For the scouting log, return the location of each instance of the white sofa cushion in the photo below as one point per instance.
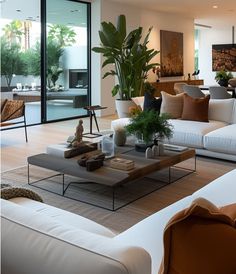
(36, 243)
(119, 123)
(222, 140)
(221, 191)
(148, 233)
(190, 133)
(139, 101)
(233, 119)
(65, 217)
(221, 110)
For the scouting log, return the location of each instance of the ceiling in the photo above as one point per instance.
(200, 10)
(72, 13)
(58, 11)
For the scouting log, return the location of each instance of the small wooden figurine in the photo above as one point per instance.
(78, 134)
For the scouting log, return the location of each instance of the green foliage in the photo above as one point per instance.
(62, 35)
(223, 75)
(130, 56)
(11, 60)
(148, 87)
(31, 59)
(149, 125)
(13, 31)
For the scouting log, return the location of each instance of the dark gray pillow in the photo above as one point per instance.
(150, 102)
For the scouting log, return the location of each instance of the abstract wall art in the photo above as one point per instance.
(171, 51)
(224, 57)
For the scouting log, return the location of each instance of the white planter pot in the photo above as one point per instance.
(122, 107)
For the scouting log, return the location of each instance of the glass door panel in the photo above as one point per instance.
(20, 55)
(66, 59)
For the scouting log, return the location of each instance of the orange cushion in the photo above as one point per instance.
(195, 109)
(12, 110)
(200, 239)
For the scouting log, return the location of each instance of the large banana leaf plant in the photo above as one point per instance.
(130, 56)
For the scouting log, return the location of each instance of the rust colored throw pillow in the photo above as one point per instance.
(172, 104)
(200, 239)
(195, 109)
(12, 110)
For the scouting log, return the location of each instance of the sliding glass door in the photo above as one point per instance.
(45, 57)
(20, 55)
(67, 76)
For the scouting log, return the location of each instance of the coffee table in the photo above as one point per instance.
(110, 177)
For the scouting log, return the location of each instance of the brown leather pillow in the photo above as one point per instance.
(195, 109)
(200, 239)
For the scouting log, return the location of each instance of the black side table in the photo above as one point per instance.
(91, 110)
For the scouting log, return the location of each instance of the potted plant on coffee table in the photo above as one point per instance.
(131, 59)
(149, 126)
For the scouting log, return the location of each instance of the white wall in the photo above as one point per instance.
(136, 17)
(207, 38)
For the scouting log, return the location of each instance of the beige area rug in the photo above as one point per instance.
(207, 170)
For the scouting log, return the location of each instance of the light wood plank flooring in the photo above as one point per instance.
(14, 149)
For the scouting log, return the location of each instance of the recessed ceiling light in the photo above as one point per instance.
(215, 7)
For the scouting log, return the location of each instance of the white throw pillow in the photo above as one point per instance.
(172, 104)
(221, 110)
(138, 101)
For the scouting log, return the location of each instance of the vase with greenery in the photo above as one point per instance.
(131, 57)
(222, 77)
(149, 126)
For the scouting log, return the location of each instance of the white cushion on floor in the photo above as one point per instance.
(190, 133)
(63, 216)
(221, 110)
(222, 140)
(221, 191)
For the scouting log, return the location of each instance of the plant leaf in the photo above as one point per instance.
(115, 90)
(112, 72)
(121, 26)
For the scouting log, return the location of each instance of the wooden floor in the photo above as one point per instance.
(14, 149)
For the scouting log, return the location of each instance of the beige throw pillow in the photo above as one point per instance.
(172, 104)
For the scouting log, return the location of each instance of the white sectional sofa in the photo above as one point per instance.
(214, 139)
(41, 239)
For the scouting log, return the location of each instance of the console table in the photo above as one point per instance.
(168, 86)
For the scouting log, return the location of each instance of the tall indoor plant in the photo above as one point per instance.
(130, 56)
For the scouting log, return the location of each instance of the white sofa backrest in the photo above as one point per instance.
(233, 120)
(221, 110)
(33, 242)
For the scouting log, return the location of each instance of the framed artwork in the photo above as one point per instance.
(224, 57)
(171, 51)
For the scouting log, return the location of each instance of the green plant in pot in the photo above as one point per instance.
(222, 77)
(149, 126)
(130, 56)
